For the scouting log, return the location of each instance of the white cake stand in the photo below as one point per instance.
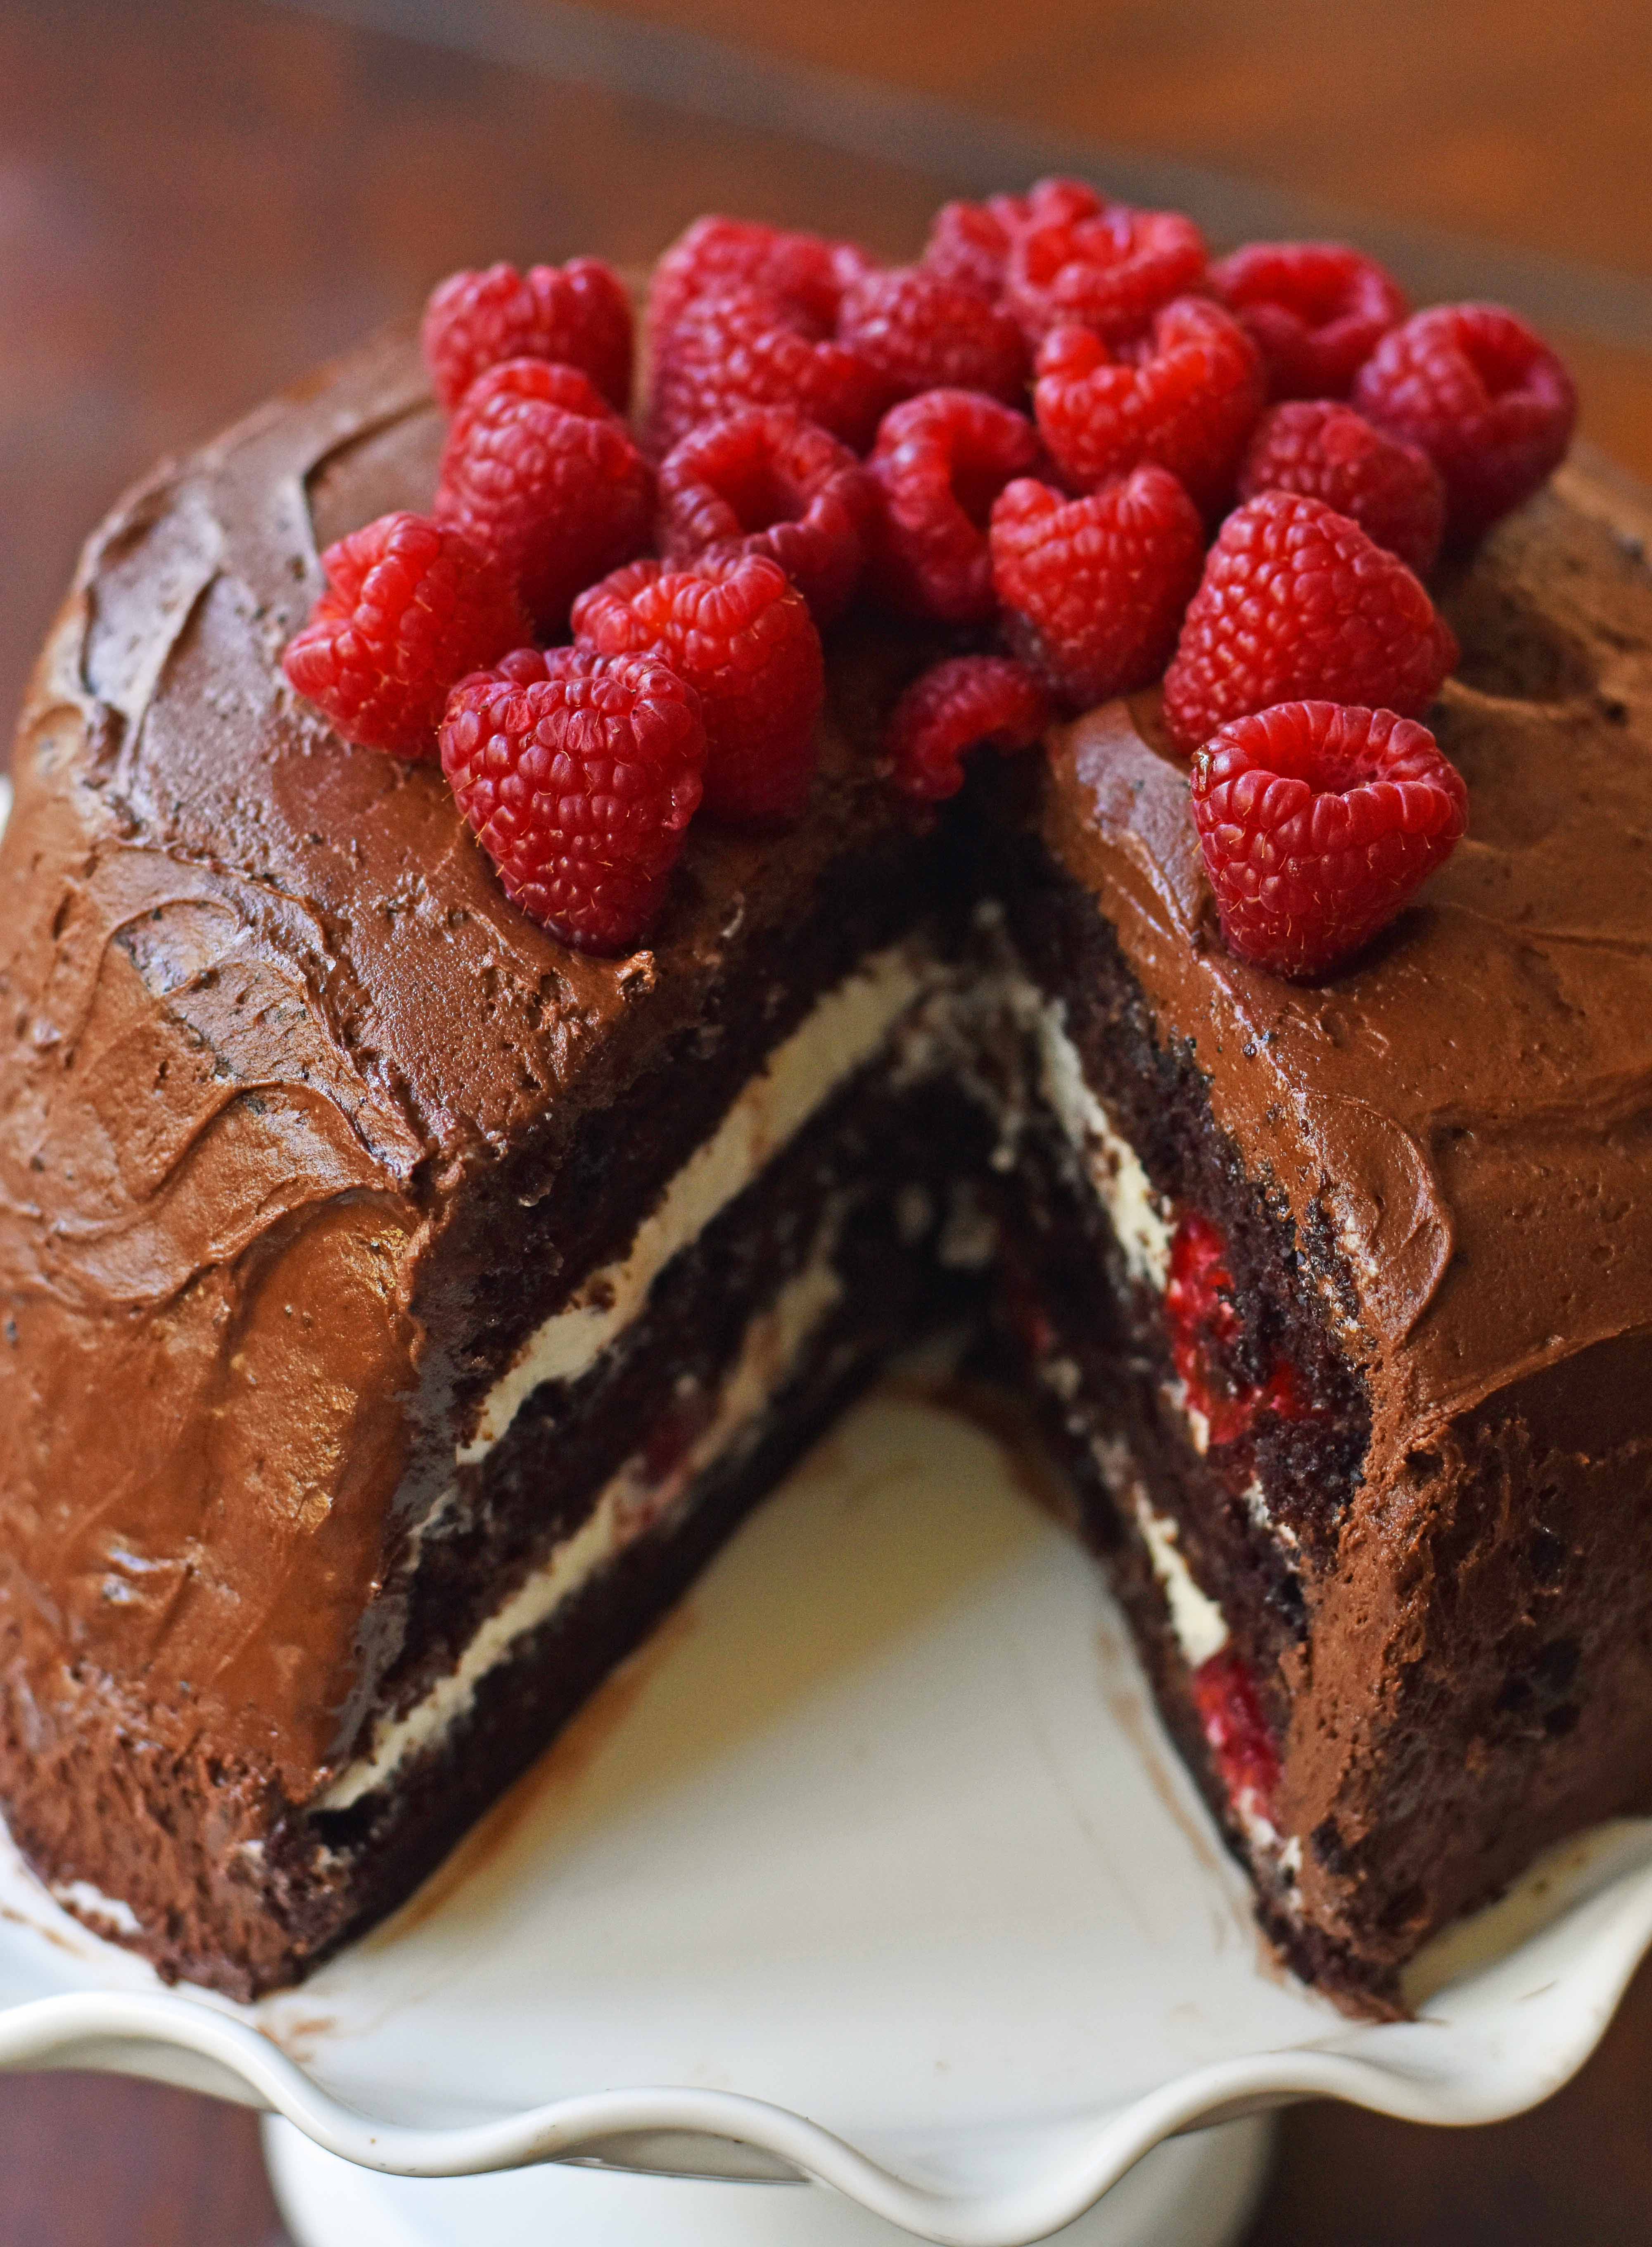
(1195, 2191)
(874, 1868)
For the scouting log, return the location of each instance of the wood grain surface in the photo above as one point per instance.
(200, 198)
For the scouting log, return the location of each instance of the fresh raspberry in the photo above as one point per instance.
(766, 482)
(940, 462)
(1391, 489)
(1186, 395)
(1204, 1329)
(409, 608)
(1296, 601)
(1201, 1316)
(544, 380)
(739, 632)
(1237, 1732)
(1318, 822)
(970, 242)
(1094, 589)
(974, 702)
(926, 332)
(1109, 271)
(744, 347)
(556, 497)
(1316, 311)
(969, 245)
(1488, 401)
(578, 314)
(579, 773)
(808, 273)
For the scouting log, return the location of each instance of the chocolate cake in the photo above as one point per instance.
(399, 1307)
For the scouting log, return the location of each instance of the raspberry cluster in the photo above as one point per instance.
(1063, 438)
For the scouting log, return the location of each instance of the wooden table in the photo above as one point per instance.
(200, 198)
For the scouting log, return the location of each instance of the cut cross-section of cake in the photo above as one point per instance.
(1339, 1296)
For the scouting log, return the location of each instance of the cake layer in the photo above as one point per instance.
(844, 1031)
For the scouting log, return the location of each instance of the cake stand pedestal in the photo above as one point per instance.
(1195, 2191)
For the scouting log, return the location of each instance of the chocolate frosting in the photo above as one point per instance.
(1470, 1104)
(269, 1011)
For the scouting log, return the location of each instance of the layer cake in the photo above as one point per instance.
(400, 1307)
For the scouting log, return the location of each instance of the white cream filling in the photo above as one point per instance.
(845, 1030)
(1200, 1627)
(1201, 1631)
(630, 1505)
(1111, 1164)
(1199, 1428)
(88, 1902)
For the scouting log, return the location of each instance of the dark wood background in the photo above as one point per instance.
(200, 198)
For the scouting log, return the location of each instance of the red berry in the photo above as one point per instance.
(1237, 1732)
(579, 774)
(1094, 589)
(1488, 401)
(1297, 603)
(970, 242)
(738, 632)
(940, 462)
(974, 702)
(969, 245)
(544, 380)
(1187, 395)
(409, 608)
(926, 332)
(1318, 822)
(1391, 489)
(556, 497)
(1110, 270)
(578, 314)
(1315, 310)
(746, 348)
(1203, 1323)
(808, 273)
(766, 482)
(1204, 1326)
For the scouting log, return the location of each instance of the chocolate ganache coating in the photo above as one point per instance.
(274, 1032)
